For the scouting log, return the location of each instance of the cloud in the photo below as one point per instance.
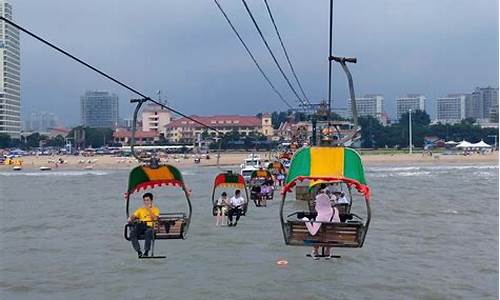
(186, 49)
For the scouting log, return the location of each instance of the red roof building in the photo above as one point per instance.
(53, 132)
(123, 136)
(186, 131)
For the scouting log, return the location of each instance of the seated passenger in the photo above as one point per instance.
(256, 194)
(326, 213)
(342, 199)
(221, 206)
(264, 191)
(147, 216)
(236, 205)
(280, 178)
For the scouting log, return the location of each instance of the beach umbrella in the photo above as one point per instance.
(464, 144)
(481, 144)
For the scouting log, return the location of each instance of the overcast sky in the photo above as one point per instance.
(186, 49)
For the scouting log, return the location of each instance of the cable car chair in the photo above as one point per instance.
(144, 177)
(263, 175)
(325, 164)
(229, 180)
(152, 175)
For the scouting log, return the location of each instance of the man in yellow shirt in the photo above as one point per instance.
(143, 223)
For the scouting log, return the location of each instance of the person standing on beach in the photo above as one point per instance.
(143, 220)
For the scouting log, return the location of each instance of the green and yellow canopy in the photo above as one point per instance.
(144, 177)
(229, 180)
(327, 164)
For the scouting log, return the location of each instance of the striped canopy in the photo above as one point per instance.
(327, 164)
(144, 177)
(261, 173)
(229, 180)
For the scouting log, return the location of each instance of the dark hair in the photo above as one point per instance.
(237, 192)
(322, 186)
(223, 194)
(148, 195)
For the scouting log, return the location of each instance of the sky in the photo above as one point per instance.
(186, 49)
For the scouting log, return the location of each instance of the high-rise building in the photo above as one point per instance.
(99, 109)
(411, 101)
(369, 105)
(10, 87)
(451, 109)
(40, 122)
(480, 103)
(155, 118)
(483, 99)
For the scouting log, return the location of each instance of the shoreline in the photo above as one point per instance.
(100, 162)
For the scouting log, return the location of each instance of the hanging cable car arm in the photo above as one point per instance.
(354, 109)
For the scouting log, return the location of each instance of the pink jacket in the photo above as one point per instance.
(325, 213)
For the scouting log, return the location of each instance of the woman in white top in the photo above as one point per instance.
(222, 207)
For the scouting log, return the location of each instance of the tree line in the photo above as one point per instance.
(375, 135)
(91, 137)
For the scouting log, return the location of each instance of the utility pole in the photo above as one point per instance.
(409, 125)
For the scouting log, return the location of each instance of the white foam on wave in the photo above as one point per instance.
(409, 174)
(483, 174)
(55, 173)
(400, 174)
(391, 169)
(430, 168)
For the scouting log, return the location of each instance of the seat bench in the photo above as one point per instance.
(329, 234)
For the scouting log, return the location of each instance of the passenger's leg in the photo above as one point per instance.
(167, 225)
(224, 216)
(230, 216)
(238, 213)
(314, 253)
(217, 217)
(147, 239)
(135, 230)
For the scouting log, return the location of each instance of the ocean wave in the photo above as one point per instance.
(430, 168)
(401, 174)
(418, 173)
(483, 174)
(391, 169)
(55, 173)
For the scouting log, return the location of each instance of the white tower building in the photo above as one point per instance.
(411, 101)
(10, 86)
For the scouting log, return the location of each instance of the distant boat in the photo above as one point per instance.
(252, 163)
(45, 168)
(89, 167)
(17, 168)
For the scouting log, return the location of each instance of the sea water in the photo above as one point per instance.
(433, 235)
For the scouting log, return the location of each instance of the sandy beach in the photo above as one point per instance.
(227, 159)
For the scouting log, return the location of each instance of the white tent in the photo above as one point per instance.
(481, 144)
(464, 144)
(451, 143)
